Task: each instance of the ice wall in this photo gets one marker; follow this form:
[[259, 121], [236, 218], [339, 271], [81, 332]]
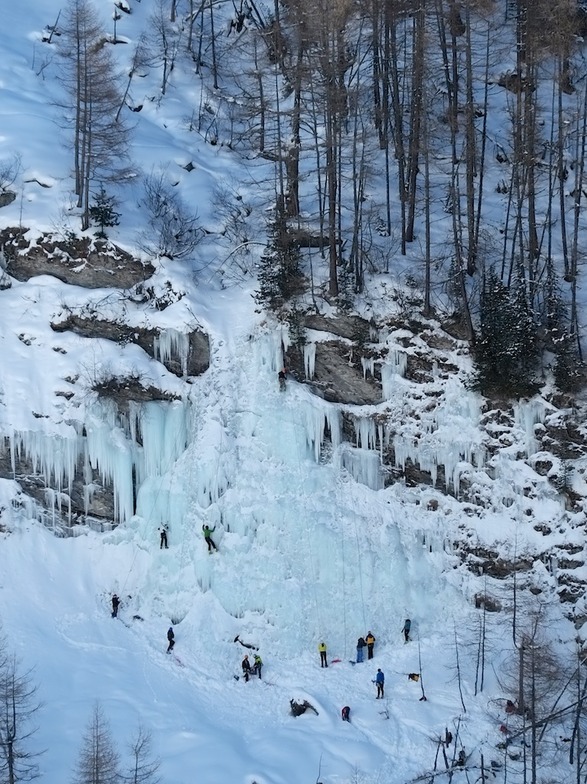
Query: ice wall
[[127, 450], [310, 543], [445, 433]]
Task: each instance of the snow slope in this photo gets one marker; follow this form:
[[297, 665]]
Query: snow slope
[[307, 552]]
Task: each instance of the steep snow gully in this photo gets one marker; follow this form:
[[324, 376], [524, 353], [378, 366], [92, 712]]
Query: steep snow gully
[[306, 553]]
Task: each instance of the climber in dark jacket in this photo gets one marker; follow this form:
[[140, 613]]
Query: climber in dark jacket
[[380, 683], [360, 645], [170, 639], [246, 667], [115, 605], [406, 629], [346, 713]]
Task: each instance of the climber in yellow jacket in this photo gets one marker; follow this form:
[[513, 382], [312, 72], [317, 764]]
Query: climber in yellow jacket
[[322, 649], [370, 640]]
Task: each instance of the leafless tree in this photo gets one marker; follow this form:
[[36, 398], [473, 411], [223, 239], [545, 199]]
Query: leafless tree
[[88, 75], [18, 708], [139, 61], [144, 767], [98, 761], [163, 41], [9, 171], [173, 229]]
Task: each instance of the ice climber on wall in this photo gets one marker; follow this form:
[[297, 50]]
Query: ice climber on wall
[[207, 531]]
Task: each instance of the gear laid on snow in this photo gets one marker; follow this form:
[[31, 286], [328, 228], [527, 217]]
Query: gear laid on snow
[[245, 644], [298, 708]]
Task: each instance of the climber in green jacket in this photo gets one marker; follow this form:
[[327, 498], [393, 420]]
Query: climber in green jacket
[[208, 537]]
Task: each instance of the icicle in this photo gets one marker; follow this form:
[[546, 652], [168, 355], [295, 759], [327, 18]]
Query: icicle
[[394, 365], [334, 423], [364, 466], [528, 413], [309, 359], [172, 344], [368, 364], [314, 421], [366, 432], [317, 416]]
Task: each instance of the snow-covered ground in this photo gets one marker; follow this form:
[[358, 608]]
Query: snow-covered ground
[[306, 554]]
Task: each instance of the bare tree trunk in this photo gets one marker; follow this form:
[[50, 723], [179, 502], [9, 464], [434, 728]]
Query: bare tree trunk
[[397, 108], [213, 46], [418, 37], [293, 154], [427, 215], [470, 150]]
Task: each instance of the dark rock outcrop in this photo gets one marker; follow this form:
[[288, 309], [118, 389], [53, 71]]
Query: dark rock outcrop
[[198, 355], [81, 261]]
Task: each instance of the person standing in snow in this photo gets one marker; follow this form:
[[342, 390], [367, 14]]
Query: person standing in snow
[[257, 665], [346, 713], [207, 531], [406, 630], [370, 640], [163, 534], [246, 667], [322, 649], [360, 645], [282, 375], [170, 639], [380, 683], [115, 605]]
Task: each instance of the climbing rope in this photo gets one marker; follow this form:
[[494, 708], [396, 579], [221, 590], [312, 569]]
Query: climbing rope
[[341, 522], [320, 631], [163, 477], [359, 562]]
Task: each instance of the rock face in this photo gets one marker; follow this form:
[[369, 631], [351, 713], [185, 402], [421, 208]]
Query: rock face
[[339, 376], [81, 261], [196, 362], [100, 498], [92, 263]]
